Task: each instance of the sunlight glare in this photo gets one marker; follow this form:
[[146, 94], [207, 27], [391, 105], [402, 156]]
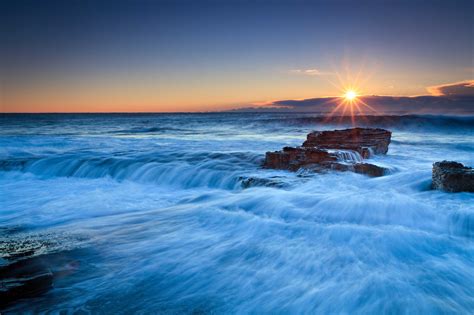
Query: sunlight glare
[[350, 95]]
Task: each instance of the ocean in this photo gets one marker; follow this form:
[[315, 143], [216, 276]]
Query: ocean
[[146, 213]]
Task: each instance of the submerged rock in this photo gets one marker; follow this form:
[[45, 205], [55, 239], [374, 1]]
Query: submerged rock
[[248, 182], [341, 150], [453, 177], [366, 141], [30, 262], [370, 169], [25, 278]]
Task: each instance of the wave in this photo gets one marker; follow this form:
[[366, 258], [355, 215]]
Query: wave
[[207, 244], [161, 222], [217, 123], [214, 170], [139, 130]]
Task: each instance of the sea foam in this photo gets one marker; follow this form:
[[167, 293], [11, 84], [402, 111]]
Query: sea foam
[[170, 229]]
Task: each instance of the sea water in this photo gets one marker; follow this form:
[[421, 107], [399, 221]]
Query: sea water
[[147, 213]]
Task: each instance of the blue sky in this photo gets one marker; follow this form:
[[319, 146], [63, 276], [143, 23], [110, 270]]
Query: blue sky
[[160, 56]]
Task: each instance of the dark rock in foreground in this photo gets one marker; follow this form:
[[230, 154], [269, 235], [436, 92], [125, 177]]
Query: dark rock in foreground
[[341, 150], [29, 263], [366, 141], [25, 278], [453, 177]]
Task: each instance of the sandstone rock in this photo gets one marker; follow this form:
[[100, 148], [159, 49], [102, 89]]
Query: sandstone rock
[[453, 177], [341, 150], [366, 141], [317, 160], [294, 158]]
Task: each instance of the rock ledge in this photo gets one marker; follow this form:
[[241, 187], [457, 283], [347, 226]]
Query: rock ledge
[[341, 150], [366, 141]]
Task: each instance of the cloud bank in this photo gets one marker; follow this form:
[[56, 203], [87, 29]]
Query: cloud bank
[[454, 98], [463, 88]]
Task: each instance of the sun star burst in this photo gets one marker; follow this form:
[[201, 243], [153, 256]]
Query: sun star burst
[[351, 102], [350, 95]]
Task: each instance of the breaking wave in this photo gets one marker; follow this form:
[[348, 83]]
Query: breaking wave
[[188, 170]]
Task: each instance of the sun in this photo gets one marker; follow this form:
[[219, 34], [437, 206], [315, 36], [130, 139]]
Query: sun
[[351, 101], [350, 95]]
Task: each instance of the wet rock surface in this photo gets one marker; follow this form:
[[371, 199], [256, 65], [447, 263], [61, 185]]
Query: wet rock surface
[[25, 278], [341, 150], [30, 263], [294, 158], [452, 176], [366, 141], [248, 182], [368, 169]]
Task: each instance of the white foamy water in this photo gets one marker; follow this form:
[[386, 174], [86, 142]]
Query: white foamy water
[[153, 218]]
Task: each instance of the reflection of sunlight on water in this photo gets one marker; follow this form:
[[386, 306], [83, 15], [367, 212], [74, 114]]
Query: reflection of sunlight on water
[[173, 230]]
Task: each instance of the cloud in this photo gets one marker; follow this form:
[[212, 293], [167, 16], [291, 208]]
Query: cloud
[[463, 88], [453, 98], [429, 104], [310, 72]]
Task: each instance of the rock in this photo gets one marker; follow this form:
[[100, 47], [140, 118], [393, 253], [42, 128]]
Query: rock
[[370, 169], [341, 150], [360, 168], [29, 262], [453, 177], [366, 141], [294, 158], [317, 160], [23, 279], [22, 273], [248, 182]]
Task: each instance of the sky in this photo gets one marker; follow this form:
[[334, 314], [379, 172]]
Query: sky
[[175, 56]]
